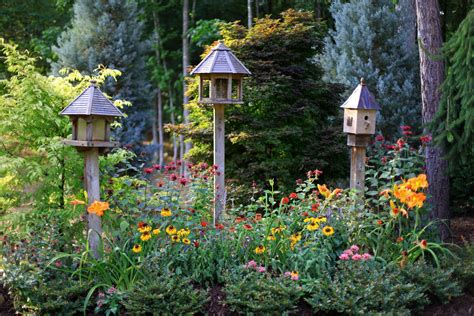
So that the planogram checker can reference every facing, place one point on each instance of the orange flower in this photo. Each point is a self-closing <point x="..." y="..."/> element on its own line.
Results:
<point x="247" y="227"/>
<point x="324" y="191"/>
<point x="423" y="244"/>
<point x="386" y="192"/>
<point x="98" y="208"/>
<point x="77" y="202"/>
<point x="258" y="216"/>
<point x="394" y="210"/>
<point x="239" y="219"/>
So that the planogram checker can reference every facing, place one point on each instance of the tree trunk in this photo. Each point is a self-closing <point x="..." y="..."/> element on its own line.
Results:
<point x="249" y="12"/>
<point x="431" y="73"/>
<point x="185" y="72"/>
<point x="257" y="8"/>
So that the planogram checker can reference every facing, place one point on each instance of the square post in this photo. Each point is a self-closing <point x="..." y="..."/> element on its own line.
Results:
<point x="219" y="160"/>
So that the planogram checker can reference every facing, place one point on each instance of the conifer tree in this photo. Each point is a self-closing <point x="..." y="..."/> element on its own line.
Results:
<point x="374" y="40"/>
<point x="110" y="33"/>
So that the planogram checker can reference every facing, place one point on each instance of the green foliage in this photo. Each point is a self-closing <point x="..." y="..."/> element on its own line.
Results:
<point x="261" y="293"/>
<point x="288" y="123"/>
<point x="110" y="33"/>
<point x="388" y="60"/>
<point x="361" y="287"/>
<point x="164" y="295"/>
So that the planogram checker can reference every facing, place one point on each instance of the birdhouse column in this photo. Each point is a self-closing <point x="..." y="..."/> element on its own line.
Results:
<point x="219" y="161"/>
<point x="92" y="187"/>
<point x="360" y="112"/>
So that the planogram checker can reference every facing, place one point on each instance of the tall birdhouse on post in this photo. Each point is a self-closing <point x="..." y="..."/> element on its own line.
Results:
<point x="360" y="111"/>
<point x="91" y="114"/>
<point x="220" y="82"/>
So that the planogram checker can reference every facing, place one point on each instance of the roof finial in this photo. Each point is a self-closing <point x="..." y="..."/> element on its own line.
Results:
<point x="362" y="81"/>
<point x="93" y="82"/>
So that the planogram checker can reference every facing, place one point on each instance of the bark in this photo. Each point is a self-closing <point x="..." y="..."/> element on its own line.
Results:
<point x="185" y="39"/>
<point x="257" y="8"/>
<point x="431" y="73"/>
<point x="249" y="12"/>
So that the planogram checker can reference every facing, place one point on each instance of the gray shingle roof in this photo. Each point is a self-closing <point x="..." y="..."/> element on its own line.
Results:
<point x="220" y="60"/>
<point x="91" y="102"/>
<point x="361" y="98"/>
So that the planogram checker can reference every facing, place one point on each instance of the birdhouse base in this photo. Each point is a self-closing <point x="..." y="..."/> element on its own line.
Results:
<point x="92" y="144"/>
<point x="358" y="140"/>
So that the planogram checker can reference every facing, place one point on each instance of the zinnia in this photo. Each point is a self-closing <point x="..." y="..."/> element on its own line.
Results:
<point x="285" y="201"/>
<point x="293" y="195"/>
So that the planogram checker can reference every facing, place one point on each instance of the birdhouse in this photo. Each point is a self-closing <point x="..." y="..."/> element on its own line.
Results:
<point x="220" y="77"/>
<point x="360" y="111"/>
<point x="91" y="114"/>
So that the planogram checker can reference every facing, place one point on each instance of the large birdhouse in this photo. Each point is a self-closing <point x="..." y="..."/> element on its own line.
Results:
<point x="360" y="111"/>
<point x="91" y="114"/>
<point x="220" y="77"/>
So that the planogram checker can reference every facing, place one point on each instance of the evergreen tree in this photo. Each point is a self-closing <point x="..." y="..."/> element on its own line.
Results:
<point x="375" y="41"/>
<point x="110" y="33"/>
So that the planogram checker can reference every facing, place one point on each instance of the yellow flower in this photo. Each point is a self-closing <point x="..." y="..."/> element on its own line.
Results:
<point x="175" y="238"/>
<point x="309" y="219"/>
<point x="292" y="244"/>
<point x="145" y="236"/>
<point x="186" y="241"/>
<point x="183" y="232"/>
<point x="328" y="231"/>
<point x="137" y="248"/>
<point x="324" y="190"/>
<point x="312" y="226"/>
<point x="260" y="249"/>
<point x="321" y="219"/>
<point x="166" y="212"/>
<point x="278" y="230"/>
<point x="156" y="231"/>
<point x="171" y="230"/>
<point x="295" y="237"/>
<point x="271" y="237"/>
<point x="294" y="275"/>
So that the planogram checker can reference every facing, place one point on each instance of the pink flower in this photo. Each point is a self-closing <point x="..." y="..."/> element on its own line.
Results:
<point x="348" y="252"/>
<point x="344" y="256"/>
<point x="157" y="167"/>
<point x="101" y="294"/>
<point x="379" y="138"/>
<point x="366" y="256"/>
<point x="425" y="139"/>
<point x="287" y="274"/>
<point x="354" y="249"/>
<point x="405" y="128"/>
<point x="261" y="269"/>
<point x="173" y="177"/>
<point x="148" y="170"/>
<point x="58" y="263"/>
<point x="111" y="290"/>
<point x="356" y="257"/>
<point x="183" y="181"/>
<point x="251" y="264"/>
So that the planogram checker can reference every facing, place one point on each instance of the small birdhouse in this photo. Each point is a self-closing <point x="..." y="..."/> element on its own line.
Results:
<point x="360" y="111"/>
<point x="220" y="77"/>
<point x="91" y="114"/>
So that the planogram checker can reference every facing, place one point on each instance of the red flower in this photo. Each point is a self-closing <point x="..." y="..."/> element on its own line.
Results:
<point x="215" y="167"/>
<point x="314" y="207"/>
<point x="258" y="216"/>
<point x="383" y="160"/>
<point x="192" y="210"/>
<point x="248" y="227"/>
<point x="400" y="143"/>
<point x="299" y="181"/>
<point x="390" y="147"/>
<point x="157" y="166"/>
<point x="423" y="244"/>
<point x="148" y="170"/>
<point x="399" y="239"/>
<point x="239" y="219"/>
<point x="405" y="128"/>
<point x="160" y="184"/>
<point x="407" y="133"/>
<point x="285" y="201"/>
<point x="425" y="139"/>
<point x="379" y="222"/>
<point x="293" y="195"/>
<point x="173" y="177"/>
<point x="305" y="214"/>
<point x="204" y="224"/>
<point x="183" y="181"/>
<point x="232" y="229"/>
<point x="379" y="138"/>
<point x="219" y="226"/>
<point x="196" y="243"/>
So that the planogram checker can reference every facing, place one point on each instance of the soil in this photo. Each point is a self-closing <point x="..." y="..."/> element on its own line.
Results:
<point x="462" y="232"/>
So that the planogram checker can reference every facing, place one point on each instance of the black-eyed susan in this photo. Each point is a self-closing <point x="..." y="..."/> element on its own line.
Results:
<point x="183" y="232"/>
<point x="156" y="231"/>
<point x="295" y="237"/>
<point x="143" y="227"/>
<point x="278" y="230"/>
<point x="137" y="248"/>
<point x="175" y="238"/>
<point x="321" y="219"/>
<point x="271" y="237"/>
<point x="260" y="249"/>
<point x="171" y="230"/>
<point x="166" y="212"/>
<point x="186" y="241"/>
<point x="145" y="236"/>
<point x="312" y="226"/>
<point x="328" y="231"/>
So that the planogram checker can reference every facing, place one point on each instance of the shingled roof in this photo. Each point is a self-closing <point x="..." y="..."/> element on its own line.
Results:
<point x="91" y="102"/>
<point x="361" y="98"/>
<point x="220" y="60"/>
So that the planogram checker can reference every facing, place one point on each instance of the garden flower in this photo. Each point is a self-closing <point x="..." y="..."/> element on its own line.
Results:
<point x="321" y="219"/>
<point x="309" y="219"/>
<point x="328" y="231"/>
<point x="203" y="224"/>
<point x="239" y="219"/>
<point x="186" y="241"/>
<point x="171" y="230"/>
<point x="271" y="237"/>
<point x="166" y="212"/>
<point x="295" y="237"/>
<point x="314" y="207"/>
<point x="156" y="231"/>
<point x="145" y="236"/>
<point x="260" y="249"/>
<point x="379" y="222"/>
<point x="379" y="138"/>
<point x="258" y="216"/>
<point x="293" y="196"/>
<point x="111" y="290"/>
<point x="356" y="257"/>
<point x="196" y="243"/>
<point x="137" y="248"/>
<point x="219" y="226"/>
<point x="366" y="256"/>
<point x="423" y="244"/>
<point x="77" y="202"/>
<point x="183" y="181"/>
<point x="156" y="167"/>
<point x="175" y="238"/>
<point x="344" y="256"/>
<point x="278" y="230"/>
<point x="143" y="227"/>
<point x="348" y="252"/>
<point x="312" y="226"/>
<point x="304" y="214"/>
<point x="98" y="208"/>
<point x="394" y="210"/>
<point x="354" y="249"/>
<point x="324" y="190"/>
<point x="148" y="170"/>
<point x="400" y="239"/>
<point x="294" y="275"/>
<point x="183" y="232"/>
<point x="251" y="264"/>
<point x="285" y="201"/>
<point x="425" y="139"/>
<point x="247" y="227"/>
<point x="261" y="269"/>
<point x="173" y="177"/>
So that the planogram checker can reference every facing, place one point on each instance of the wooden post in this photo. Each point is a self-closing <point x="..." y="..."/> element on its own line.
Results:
<point x="358" y="144"/>
<point x="92" y="186"/>
<point x="219" y="160"/>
